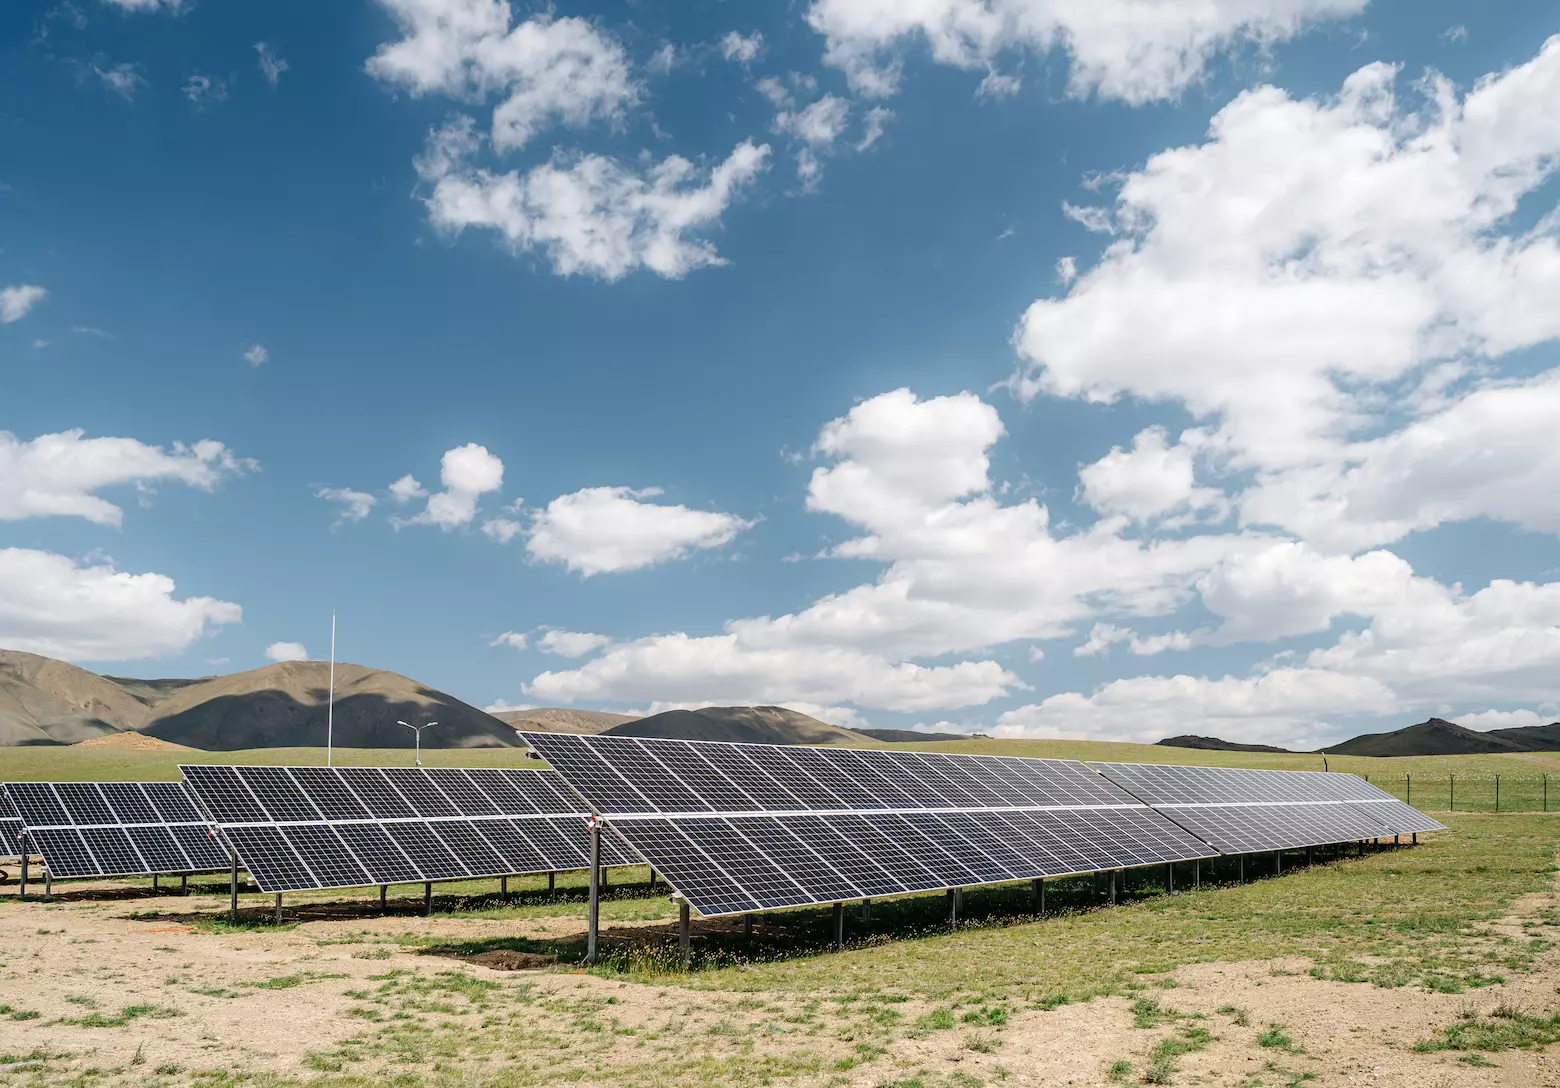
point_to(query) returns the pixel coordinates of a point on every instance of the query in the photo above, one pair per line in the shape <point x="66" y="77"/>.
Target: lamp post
<point x="417" y="729"/>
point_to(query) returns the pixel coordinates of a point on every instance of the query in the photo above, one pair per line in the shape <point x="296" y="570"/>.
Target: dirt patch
<point x="131" y="741"/>
<point x="505" y="960"/>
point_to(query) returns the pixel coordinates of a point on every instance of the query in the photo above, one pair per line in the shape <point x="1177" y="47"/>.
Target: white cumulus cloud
<point x="57" y="475"/>
<point x="604" y="529"/>
<point x="17" y="301"/>
<point x="467" y="472"/>
<point x="590" y="215"/>
<point x="355" y="505"/>
<point x="287" y="651"/>
<point x="571" y="643"/>
<point x="55" y="606"/>
<point x="742" y="50"/>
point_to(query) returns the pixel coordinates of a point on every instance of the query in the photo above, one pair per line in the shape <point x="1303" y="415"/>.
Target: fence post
<point x="1546" y="793"/>
<point x="1409" y="779"/>
<point x="1452" y="800"/>
<point x="1497" y="793"/>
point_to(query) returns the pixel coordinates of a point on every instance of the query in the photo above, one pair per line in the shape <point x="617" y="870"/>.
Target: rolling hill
<point x="752" y="724"/>
<point x="44" y="701"/>
<point x="1214" y="744"/>
<point x="552" y="719"/>
<point x="1439" y="737"/>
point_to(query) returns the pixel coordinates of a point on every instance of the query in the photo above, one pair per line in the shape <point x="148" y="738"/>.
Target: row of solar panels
<point x="310" y="827"/>
<point x="737" y="828"/>
<point x="733" y="827"/>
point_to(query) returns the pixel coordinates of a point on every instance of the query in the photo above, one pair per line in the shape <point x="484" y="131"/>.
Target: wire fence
<point x="1466" y="793"/>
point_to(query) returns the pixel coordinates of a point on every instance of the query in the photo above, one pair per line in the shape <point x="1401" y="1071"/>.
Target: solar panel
<point x="84" y="829"/>
<point x="1241" y="810"/>
<point x="743" y="827"/>
<point x="297" y="828"/>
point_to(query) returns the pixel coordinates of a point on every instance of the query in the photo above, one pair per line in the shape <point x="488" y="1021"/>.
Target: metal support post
<point x="1037" y="890"/>
<point x="866" y="910"/>
<point x="1278" y="862"/>
<point x="154" y="883"/>
<point x="595" y="893"/>
<point x="184" y="883"/>
<point x="1497" y="793"/>
<point x="552" y="882"/>
<point x="503" y="887"/>
<point x="684" y="937"/>
<point x="1243" y="868"/>
<point x="1197" y="873"/>
<point x="48" y="885"/>
<point x="1451" y="789"/>
<point x="603" y="876"/>
<point x="839" y="925"/>
<point x="233" y="888"/>
<point x="953" y="906"/>
<point x="747" y="925"/>
<point x="1307" y="857"/>
<point x="427" y="897"/>
<point x="278" y="908"/>
<point x="21" y="890"/>
<point x="1113" y="887"/>
<point x="384" y="890"/>
<point x="1416" y="838"/>
<point x="1170" y="878"/>
<point x="1097" y="875"/>
<point x="652" y="880"/>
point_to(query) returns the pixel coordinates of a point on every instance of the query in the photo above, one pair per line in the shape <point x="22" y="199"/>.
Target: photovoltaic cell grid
<point x="743" y="827"/>
<point x="10" y="829"/>
<point x="115" y="828"/>
<point x="297" y="828"/>
<point x="1241" y="811"/>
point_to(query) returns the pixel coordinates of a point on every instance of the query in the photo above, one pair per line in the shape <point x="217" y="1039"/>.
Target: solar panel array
<point x="297" y="828"/>
<point x="1241" y="811"/>
<point x="115" y="828"/>
<point x="744" y="827"/>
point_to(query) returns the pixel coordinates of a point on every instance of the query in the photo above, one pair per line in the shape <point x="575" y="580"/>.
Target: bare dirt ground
<point x="105" y="994"/>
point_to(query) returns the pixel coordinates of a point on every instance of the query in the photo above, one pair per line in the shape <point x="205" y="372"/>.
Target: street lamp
<point x="417" y="729"/>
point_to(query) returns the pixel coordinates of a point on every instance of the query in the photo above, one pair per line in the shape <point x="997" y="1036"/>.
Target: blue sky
<point x="1011" y="367"/>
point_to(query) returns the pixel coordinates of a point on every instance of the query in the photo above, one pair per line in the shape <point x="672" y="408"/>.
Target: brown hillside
<point x="750" y="724"/>
<point x="44" y="701"/>
<point x="131" y="741"/>
<point x="1215" y="744"/>
<point x="553" y="719"/>
<point x="1436" y="737"/>
<point x="284" y="705"/>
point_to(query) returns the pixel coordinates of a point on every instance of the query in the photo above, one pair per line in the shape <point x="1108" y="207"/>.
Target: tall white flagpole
<point x="330" y="707"/>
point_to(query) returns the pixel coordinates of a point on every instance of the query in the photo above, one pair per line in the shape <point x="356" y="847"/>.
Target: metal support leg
<point x="427" y="897"/>
<point x="1243" y="868"/>
<point x="503" y="887"/>
<point x="1170" y="878"/>
<point x="278" y="908"/>
<point x="1037" y="893"/>
<point x="1113" y="887"/>
<point x="866" y="910"/>
<point x="603" y="876"/>
<point x="21" y="889"/>
<point x="1097" y="876"/>
<point x="1197" y="873"/>
<point x="652" y="880"/>
<point x="953" y="907"/>
<point x="595" y="893"/>
<point x="384" y="890"/>
<point x="1307" y="857"/>
<point x="1278" y="862"/>
<point x="155" y="886"/>
<point x="1416" y="838"/>
<point x="747" y="925"/>
<point x="839" y="925"/>
<point x="552" y="882"/>
<point x="684" y="937"/>
<point x="48" y="885"/>
<point x="184" y="883"/>
<point x="233" y="890"/>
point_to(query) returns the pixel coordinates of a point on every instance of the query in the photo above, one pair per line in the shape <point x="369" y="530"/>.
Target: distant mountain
<point x="284" y="706"/>
<point x="44" y="701"/>
<point x="1436" y="737"/>
<point x="1214" y="744"/>
<point x="553" y="719"/>
<point x="1533" y="738"/>
<point x="906" y="735"/>
<point x="752" y="724"/>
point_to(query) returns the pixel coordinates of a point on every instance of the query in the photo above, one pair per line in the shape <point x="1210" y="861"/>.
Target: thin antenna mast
<point x="330" y="706"/>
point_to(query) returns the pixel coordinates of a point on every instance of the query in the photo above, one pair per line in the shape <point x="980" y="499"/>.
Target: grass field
<point x="68" y="762"/>
<point x="1271" y="983"/>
